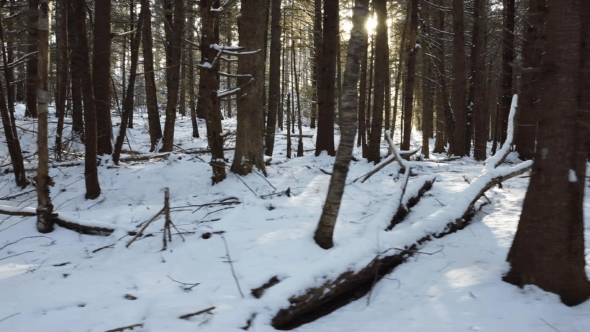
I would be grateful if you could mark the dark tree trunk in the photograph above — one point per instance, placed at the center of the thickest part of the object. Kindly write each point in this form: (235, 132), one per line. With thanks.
(101, 69)
(131, 27)
(318, 59)
(76, 83)
(128, 102)
(44, 208)
(300, 142)
(445, 109)
(208, 101)
(151, 92)
(548, 249)
(409, 83)
(369, 107)
(362, 133)
(250, 130)
(174, 23)
(32, 62)
(478, 106)
(530, 86)
(274, 76)
(381, 62)
(459, 98)
(191, 76)
(427, 100)
(398, 77)
(324, 232)
(62, 72)
(288, 124)
(81, 61)
(507, 60)
(326, 86)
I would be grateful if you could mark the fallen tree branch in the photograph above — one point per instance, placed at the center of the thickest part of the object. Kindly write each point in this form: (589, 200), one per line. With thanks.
(208, 310)
(129, 327)
(391, 159)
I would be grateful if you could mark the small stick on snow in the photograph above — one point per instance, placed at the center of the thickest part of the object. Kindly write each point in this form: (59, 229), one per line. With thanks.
(129, 327)
(196, 313)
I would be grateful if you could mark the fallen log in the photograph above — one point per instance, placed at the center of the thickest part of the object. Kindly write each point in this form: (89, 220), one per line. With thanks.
(404, 209)
(389, 160)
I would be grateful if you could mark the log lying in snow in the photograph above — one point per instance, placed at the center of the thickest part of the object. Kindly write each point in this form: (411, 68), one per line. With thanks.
(351, 285)
(389, 160)
(404, 209)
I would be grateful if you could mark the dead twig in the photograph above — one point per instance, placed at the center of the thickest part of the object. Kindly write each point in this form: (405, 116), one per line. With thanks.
(208, 310)
(233, 272)
(129, 327)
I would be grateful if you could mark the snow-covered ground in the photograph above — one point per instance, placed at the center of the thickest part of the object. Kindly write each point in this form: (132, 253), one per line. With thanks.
(60, 282)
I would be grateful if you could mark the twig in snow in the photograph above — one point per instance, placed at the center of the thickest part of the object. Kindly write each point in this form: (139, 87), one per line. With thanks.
(5, 318)
(233, 272)
(22, 253)
(129, 327)
(185, 285)
(208, 310)
(27, 237)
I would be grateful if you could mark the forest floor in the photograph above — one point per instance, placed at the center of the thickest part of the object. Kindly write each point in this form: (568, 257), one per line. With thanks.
(62, 282)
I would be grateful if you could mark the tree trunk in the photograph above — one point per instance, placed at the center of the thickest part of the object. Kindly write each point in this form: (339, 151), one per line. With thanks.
(131, 28)
(318, 60)
(439, 53)
(76, 83)
(459, 98)
(381, 62)
(427, 97)
(548, 249)
(507, 59)
(174, 23)
(362, 101)
(250, 128)
(369, 107)
(82, 63)
(326, 86)
(32, 62)
(300, 143)
(478, 87)
(409, 83)
(530, 86)
(62, 73)
(191, 77)
(398, 77)
(45, 208)
(128, 102)
(358, 40)
(151, 93)
(274, 76)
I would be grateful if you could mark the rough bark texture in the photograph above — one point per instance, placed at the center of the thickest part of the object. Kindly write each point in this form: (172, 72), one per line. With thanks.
(174, 23)
(381, 62)
(45, 208)
(412, 50)
(481, 116)
(274, 76)
(530, 84)
(400, 70)
(362, 133)
(128, 102)
(548, 249)
(358, 40)
(459, 97)
(32, 63)
(76, 84)
(427, 105)
(250, 128)
(151, 93)
(299, 124)
(208, 101)
(446, 115)
(82, 63)
(318, 58)
(62, 72)
(191, 76)
(326, 86)
(101, 75)
(507, 61)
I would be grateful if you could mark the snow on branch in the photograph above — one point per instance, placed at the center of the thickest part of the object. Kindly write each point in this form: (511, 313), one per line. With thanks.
(495, 160)
(226, 4)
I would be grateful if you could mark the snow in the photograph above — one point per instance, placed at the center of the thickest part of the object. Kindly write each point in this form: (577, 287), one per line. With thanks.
(572, 176)
(60, 282)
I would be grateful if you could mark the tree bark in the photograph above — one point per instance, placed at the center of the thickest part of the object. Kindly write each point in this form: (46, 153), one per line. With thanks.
(32, 62)
(507, 61)
(62, 73)
(381, 62)
(362, 132)
(76, 83)
(530, 86)
(398, 77)
(45, 208)
(358, 40)
(548, 249)
(250, 128)
(82, 63)
(191, 77)
(128, 102)
(101, 70)
(478, 107)
(427, 98)
(326, 86)
(409, 83)
(174, 23)
(151, 92)
(318, 59)
(459, 98)
(274, 76)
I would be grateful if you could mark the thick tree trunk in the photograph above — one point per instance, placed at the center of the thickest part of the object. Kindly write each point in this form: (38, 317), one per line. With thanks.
(128, 102)
(381, 62)
(358, 40)
(439, 53)
(530, 86)
(299, 124)
(191, 75)
(326, 86)
(173, 71)
(101, 70)
(151, 92)
(400, 70)
(548, 249)
(459, 98)
(507, 61)
(409, 83)
(76, 83)
(274, 76)
(478, 106)
(427, 104)
(250, 131)
(369, 107)
(82, 63)
(45, 208)
(62, 72)
(131, 27)
(362, 133)
(32, 62)
(318, 59)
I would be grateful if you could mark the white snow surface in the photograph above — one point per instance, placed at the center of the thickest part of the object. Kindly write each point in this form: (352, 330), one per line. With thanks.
(56, 282)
